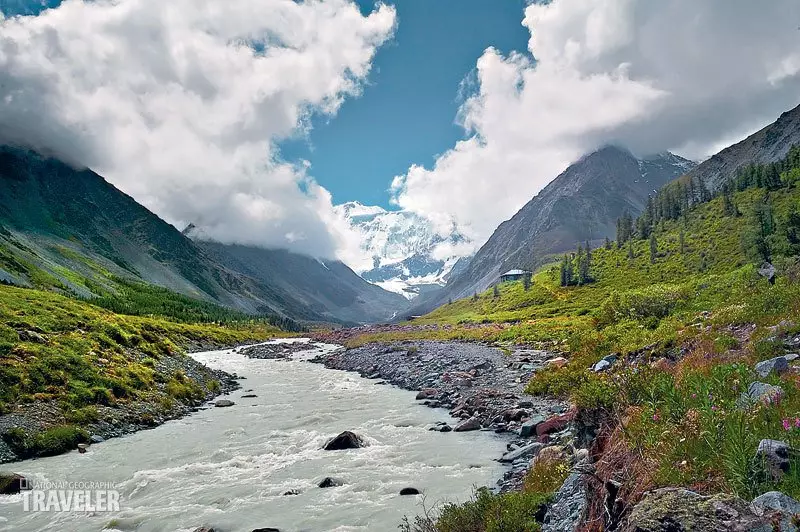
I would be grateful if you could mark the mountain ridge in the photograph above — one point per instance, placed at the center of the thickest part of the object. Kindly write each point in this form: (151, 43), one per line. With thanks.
(72, 231)
(582, 203)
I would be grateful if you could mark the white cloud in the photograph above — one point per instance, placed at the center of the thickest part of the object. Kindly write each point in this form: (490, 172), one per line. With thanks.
(681, 75)
(181, 103)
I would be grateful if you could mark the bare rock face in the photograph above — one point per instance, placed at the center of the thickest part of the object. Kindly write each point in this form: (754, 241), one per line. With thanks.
(345, 440)
(681, 510)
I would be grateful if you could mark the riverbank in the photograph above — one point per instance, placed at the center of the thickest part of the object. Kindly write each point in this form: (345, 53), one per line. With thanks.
(45, 428)
(481, 386)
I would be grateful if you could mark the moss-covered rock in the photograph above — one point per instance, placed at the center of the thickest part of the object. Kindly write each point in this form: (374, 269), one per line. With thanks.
(679, 510)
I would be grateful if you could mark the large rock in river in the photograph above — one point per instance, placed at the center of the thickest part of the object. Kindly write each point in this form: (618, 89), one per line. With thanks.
(681, 510)
(345, 440)
(330, 482)
(10, 483)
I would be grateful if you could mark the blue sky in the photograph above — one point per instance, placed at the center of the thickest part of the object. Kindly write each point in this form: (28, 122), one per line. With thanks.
(406, 114)
(407, 111)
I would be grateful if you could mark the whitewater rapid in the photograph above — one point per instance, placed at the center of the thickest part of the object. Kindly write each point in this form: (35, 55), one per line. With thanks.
(229, 468)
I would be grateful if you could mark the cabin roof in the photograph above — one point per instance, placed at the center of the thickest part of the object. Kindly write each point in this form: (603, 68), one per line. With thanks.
(514, 272)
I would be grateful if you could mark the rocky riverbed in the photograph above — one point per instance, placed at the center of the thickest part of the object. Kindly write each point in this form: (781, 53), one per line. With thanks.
(482, 387)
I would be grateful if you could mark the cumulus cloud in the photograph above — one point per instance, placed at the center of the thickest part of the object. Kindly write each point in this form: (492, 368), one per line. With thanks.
(181, 103)
(683, 75)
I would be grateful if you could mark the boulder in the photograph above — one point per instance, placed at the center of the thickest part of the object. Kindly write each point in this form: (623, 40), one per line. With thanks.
(527, 450)
(774, 455)
(409, 491)
(204, 529)
(291, 492)
(778, 365)
(11, 483)
(222, 403)
(445, 428)
(427, 393)
(268, 529)
(345, 440)
(515, 414)
(528, 428)
(468, 424)
(558, 362)
(31, 336)
(330, 482)
(249, 396)
(760, 392)
(679, 510)
(778, 506)
(96, 438)
(553, 424)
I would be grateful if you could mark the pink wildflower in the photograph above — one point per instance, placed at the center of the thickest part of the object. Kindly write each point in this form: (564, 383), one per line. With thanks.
(787, 425)
(694, 396)
(714, 408)
(797, 422)
(655, 417)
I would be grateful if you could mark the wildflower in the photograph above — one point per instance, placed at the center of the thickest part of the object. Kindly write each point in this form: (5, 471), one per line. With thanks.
(714, 408)
(787, 425)
(797, 422)
(694, 396)
(655, 417)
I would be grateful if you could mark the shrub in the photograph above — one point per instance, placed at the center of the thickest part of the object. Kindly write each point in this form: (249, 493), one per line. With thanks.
(655, 301)
(485, 512)
(53, 441)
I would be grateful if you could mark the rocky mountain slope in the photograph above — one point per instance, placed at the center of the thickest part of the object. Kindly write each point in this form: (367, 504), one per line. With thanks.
(72, 231)
(408, 255)
(583, 203)
(767, 145)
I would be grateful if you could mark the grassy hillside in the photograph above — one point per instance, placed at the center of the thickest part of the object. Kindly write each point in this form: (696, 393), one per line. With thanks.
(80, 363)
(688, 315)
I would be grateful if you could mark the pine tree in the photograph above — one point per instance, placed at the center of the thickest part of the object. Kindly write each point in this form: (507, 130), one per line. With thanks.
(475, 296)
(495, 291)
(630, 249)
(526, 282)
(607, 243)
(653, 248)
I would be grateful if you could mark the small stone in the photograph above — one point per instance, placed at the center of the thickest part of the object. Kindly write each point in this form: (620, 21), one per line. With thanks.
(291, 492)
(427, 393)
(223, 403)
(249, 396)
(468, 424)
(330, 482)
(96, 438)
(446, 428)
(82, 448)
(525, 404)
(409, 491)
(204, 529)
(778, 365)
(558, 362)
(268, 529)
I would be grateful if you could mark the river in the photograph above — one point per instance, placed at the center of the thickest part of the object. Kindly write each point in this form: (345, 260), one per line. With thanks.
(228, 468)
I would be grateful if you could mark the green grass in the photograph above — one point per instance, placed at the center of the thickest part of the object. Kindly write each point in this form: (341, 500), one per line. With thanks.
(688, 328)
(91, 356)
(53, 441)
